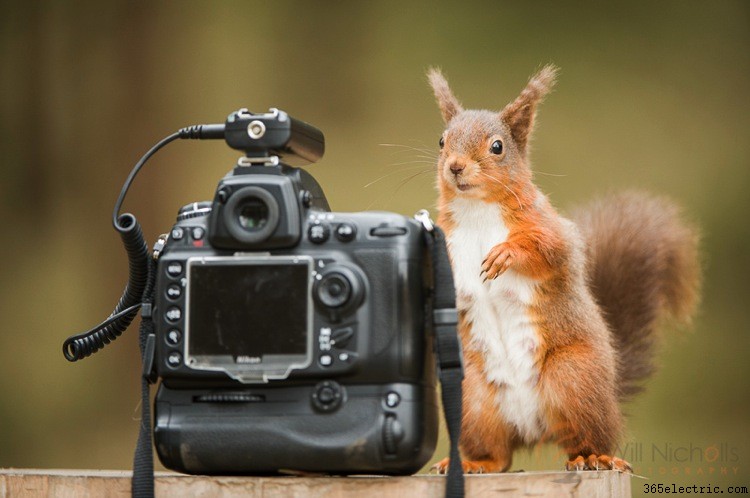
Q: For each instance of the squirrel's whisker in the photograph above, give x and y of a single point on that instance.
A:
(408, 148)
(404, 182)
(401, 170)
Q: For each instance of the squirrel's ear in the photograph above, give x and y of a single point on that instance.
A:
(448, 103)
(519, 114)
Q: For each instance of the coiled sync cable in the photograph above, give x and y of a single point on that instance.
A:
(82, 345)
(79, 346)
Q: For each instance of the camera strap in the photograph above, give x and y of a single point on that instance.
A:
(448, 349)
(142, 484)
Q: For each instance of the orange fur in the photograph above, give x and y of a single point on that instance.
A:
(579, 356)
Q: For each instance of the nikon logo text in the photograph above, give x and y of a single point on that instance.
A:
(248, 359)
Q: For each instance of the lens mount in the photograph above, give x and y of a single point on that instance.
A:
(251, 215)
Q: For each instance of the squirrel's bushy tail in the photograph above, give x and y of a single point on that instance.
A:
(643, 266)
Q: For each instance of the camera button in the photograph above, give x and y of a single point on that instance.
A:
(198, 233)
(173, 314)
(318, 233)
(387, 231)
(327, 396)
(346, 232)
(177, 233)
(174, 269)
(325, 360)
(174, 337)
(392, 399)
(174, 359)
(174, 291)
(341, 337)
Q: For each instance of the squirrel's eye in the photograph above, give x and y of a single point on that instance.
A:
(442, 142)
(496, 147)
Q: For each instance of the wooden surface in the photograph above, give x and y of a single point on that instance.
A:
(20, 483)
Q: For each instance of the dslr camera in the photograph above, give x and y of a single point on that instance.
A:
(286, 337)
(289, 336)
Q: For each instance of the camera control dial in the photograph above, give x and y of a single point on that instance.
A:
(193, 210)
(338, 288)
(327, 395)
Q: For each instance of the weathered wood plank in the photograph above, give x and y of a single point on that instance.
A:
(22, 483)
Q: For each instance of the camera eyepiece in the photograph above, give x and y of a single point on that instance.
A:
(251, 215)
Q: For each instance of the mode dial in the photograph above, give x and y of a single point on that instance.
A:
(194, 210)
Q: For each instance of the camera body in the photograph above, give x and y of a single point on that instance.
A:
(290, 337)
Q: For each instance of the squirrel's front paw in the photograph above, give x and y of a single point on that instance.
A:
(497, 262)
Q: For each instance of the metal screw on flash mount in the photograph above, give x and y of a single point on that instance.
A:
(258, 161)
(256, 129)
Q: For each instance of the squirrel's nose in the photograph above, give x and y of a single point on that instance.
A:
(456, 168)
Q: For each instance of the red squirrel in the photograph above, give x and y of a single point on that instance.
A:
(557, 317)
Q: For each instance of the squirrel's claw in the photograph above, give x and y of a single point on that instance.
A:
(578, 463)
(497, 262)
(598, 462)
(441, 467)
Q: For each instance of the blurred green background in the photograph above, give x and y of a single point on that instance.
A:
(651, 95)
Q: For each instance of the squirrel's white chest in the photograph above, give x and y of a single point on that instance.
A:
(501, 327)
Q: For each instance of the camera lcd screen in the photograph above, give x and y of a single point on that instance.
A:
(250, 310)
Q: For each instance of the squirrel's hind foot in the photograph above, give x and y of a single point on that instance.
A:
(598, 462)
(470, 466)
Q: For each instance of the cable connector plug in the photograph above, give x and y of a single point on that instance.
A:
(202, 132)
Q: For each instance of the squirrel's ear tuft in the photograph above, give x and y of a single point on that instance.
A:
(519, 114)
(449, 105)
